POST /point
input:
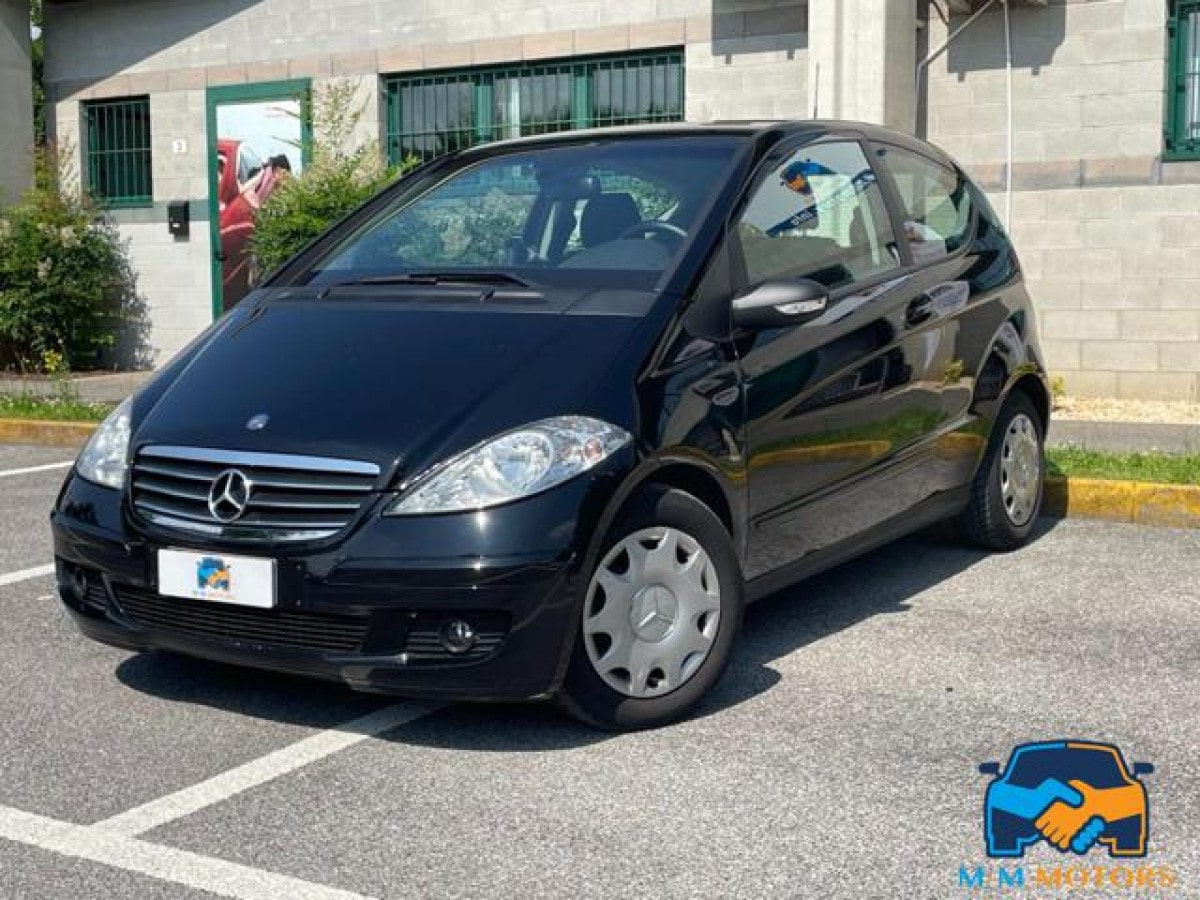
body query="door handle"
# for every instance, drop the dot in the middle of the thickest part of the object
(919, 311)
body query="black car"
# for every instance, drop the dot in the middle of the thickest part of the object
(538, 420)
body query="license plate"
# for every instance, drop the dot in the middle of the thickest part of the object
(217, 577)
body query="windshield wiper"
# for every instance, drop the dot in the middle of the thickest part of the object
(430, 278)
(512, 289)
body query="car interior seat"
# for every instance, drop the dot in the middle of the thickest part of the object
(560, 232)
(606, 217)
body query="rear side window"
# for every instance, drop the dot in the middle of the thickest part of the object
(819, 215)
(937, 204)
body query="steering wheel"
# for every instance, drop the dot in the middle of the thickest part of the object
(655, 228)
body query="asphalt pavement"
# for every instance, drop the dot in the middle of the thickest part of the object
(837, 758)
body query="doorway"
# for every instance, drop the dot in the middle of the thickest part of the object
(259, 135)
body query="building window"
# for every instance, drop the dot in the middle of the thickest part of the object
(1183, 95)
(117, 133)
(435, 113)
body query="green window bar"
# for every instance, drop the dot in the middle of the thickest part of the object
(118, 151)
(435, 113)
(1183, 87)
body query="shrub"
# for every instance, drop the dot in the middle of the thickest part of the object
(65, 280)
(342, 175)
(1058, 390)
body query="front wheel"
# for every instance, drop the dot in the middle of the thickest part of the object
(1006, 496)
(660, 614)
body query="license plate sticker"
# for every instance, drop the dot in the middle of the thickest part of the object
(217, 578)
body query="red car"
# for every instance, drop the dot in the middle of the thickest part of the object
(244, 182)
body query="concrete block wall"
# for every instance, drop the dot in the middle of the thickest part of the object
(1105, 229)
(16, 93)
(744, 58)
(862, 51)
(173, 275)
(748, 64)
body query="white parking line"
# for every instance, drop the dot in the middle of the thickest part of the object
(29, 470)
(221, 787)
(26, 574)
(181, 867)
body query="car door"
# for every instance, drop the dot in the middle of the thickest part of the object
(837, 403)
(957, 311)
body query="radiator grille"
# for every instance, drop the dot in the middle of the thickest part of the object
(270, 497)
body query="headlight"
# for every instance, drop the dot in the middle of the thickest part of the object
(104, 458)
(517, 464)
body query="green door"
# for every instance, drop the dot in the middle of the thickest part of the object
(259, 135)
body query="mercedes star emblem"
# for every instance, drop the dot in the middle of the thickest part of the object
(229, 496)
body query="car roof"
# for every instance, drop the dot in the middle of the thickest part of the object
(770, 130)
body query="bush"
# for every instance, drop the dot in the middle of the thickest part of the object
(340, 177)
(65, 280)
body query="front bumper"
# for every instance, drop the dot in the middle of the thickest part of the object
(345, 612)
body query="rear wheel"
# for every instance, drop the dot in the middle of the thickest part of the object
(660, 614)
(1006, 496)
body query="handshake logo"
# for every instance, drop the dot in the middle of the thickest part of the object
(1071, 794)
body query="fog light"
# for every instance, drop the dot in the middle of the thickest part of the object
(458, 636)
(72, 582)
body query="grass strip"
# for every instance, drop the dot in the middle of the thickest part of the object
(52, 409)
(1163, 468)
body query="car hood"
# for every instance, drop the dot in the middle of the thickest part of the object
(395, 383)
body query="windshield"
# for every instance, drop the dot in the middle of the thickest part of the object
(1099, 765)
(613, 213)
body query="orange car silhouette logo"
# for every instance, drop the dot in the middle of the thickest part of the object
(1071, 794)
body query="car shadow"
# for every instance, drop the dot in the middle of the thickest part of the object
(887, 581)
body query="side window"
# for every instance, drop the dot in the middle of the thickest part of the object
(937, 204)
(819, 215)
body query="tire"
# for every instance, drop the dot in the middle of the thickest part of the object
(1007, 492)
(687, 590)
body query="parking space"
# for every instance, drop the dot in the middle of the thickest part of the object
(25, 456)
(28, 475)
(838, 758)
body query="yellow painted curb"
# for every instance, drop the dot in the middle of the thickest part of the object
(51, 434)
(1173, 505)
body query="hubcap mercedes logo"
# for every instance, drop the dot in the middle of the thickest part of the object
(229, 496)
(653, 614)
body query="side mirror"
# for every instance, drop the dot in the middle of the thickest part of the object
(989, 768)
(780, 304)
(1143, 768)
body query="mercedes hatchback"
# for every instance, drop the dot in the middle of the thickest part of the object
(538, 420)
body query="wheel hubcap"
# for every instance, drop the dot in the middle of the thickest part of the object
(652, 611)
(1020, 470)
